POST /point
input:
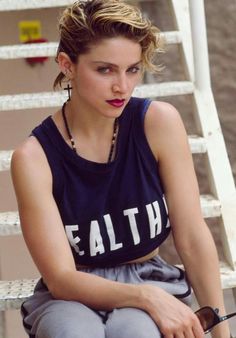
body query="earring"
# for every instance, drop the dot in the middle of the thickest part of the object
(68, 88)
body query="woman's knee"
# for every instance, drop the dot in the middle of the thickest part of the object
(70, 320)
(131, 323)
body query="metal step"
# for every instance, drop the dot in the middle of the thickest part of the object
(10, 222)
(14, 5)
(28, 50)
(13, 293)
(228, 276)
(49, 49)
(197, 144)
(5, 159)
(172, 37)
(211, 207)
(56, 99)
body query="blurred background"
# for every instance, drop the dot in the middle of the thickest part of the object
(18, 76)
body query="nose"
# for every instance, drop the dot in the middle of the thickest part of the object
(120, 84)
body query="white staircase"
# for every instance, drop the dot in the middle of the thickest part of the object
(220, 202)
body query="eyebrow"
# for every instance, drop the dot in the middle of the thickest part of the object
(116, 66)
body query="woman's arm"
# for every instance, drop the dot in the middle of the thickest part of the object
(193, 241)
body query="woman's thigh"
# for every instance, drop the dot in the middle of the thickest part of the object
(131, 323)
(66, 319)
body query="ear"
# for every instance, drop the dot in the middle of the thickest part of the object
(66, 65)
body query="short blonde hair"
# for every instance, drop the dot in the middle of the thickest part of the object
(84, 23)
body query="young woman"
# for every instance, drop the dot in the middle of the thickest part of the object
(94, 183)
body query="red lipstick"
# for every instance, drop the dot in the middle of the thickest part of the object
(116, 103)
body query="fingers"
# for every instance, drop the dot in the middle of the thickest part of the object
(174, 318)
(197, 329)
(188, 328)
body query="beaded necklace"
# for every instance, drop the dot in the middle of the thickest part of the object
(72, 141)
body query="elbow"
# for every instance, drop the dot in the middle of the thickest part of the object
(59, 288)
(200, 245)
(59, 292)
(56, 291)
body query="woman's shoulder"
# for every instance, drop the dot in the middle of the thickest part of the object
(162, 113)
(31, 150)
(28, 150)
(163, 125)
(155, 113)
(29, 156)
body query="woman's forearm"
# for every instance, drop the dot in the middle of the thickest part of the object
(202, 267)
(94, 291)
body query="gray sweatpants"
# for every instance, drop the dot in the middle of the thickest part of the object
(46, 317)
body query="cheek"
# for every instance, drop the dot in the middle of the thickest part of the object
(91, 87)
(92, 82)
(140, 77)
(135, 81)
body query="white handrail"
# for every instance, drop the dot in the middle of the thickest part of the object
(200, 47)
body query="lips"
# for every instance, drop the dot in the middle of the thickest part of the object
(116, 103)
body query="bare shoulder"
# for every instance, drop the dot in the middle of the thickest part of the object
(29, 166)
(162, 114)
(29, 152)
(163, 126)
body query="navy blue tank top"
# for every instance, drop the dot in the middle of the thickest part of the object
(112, 212)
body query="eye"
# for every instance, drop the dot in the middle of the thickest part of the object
(104, 70)
(134, 70)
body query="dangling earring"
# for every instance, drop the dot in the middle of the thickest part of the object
(68, 88)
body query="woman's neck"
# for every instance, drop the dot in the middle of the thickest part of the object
(92, 136)
(84, 121)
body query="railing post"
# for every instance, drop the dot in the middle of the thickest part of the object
(200, 48)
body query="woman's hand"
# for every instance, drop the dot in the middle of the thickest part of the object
(173, 318)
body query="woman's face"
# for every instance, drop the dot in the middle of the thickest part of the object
(104, 78)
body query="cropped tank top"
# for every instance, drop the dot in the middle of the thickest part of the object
(112, 212)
